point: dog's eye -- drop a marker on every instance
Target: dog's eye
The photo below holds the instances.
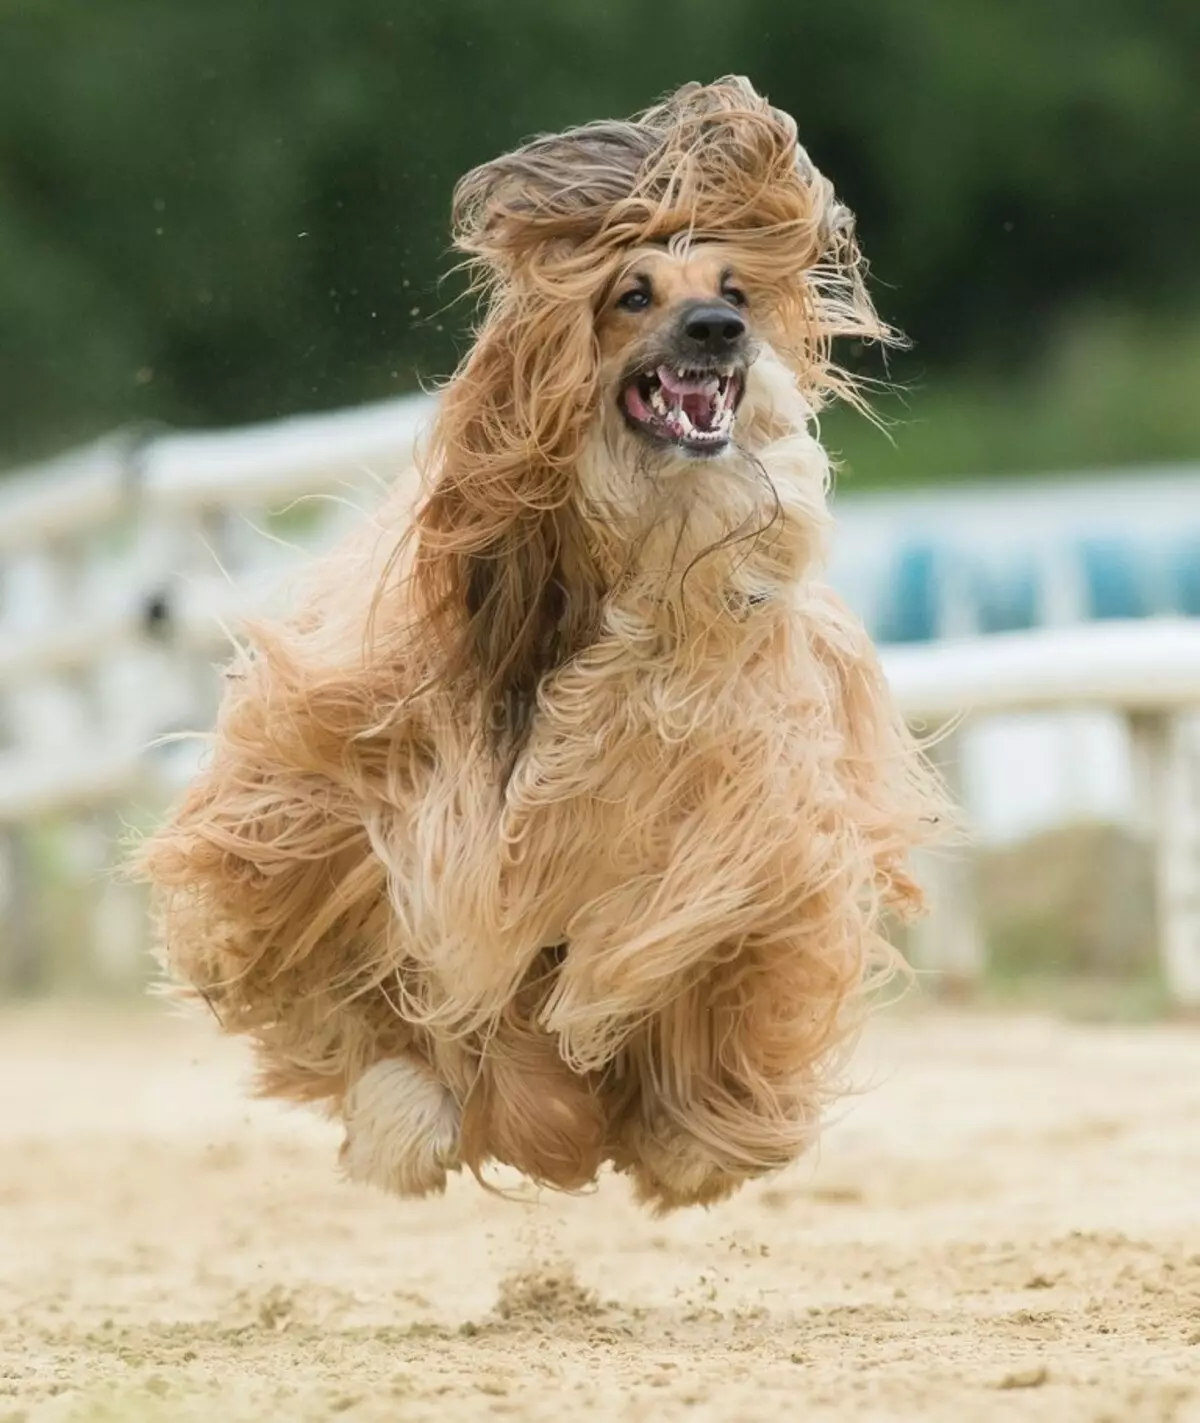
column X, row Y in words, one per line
column 635, row 299
column 735, row 296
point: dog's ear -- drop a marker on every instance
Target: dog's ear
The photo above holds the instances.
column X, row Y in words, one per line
column 531, row 599
column 836, row 238
column 504, row 569
column 558, row 186
column 836, row 304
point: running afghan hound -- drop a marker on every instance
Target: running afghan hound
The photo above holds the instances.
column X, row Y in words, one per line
column 559, row 822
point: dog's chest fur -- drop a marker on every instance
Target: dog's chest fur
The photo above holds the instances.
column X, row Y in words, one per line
column 634, row 768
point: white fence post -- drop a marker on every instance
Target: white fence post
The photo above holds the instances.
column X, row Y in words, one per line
column 949, row 942
column 21, row 962
column 20, row 959
column 1166, row 761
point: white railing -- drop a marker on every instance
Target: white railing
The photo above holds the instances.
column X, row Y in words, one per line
column 121, row 566
column 1147, row 671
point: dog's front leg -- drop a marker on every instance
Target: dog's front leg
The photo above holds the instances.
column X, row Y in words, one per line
column 402, row 1128
column 730, row 1082
column 693, row 1153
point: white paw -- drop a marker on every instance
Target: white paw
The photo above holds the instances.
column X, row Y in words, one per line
column 401, row 1129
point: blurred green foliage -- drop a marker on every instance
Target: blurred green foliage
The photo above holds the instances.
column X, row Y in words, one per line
column 223, row 211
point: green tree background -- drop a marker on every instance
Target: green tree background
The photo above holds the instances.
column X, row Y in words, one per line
column 216, row 211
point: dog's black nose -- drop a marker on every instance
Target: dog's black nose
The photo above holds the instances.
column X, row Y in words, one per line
column 713, row 330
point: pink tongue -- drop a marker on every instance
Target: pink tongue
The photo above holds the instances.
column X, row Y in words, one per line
column 673, row 382
column 699, row 410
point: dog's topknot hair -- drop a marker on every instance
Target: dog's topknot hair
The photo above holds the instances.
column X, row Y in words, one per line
column 714, row 159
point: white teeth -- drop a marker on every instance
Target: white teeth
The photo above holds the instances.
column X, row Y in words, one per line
column 709, row 382
column 721, row 388
column 718, row 432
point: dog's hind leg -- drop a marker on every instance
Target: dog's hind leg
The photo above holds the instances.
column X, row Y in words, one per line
column 530, row 1111
column 525, row 1106
column 402, row 1128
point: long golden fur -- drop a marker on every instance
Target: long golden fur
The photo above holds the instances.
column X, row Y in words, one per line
column 558, row 823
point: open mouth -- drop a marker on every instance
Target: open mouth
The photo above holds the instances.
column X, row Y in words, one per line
column 692, row 408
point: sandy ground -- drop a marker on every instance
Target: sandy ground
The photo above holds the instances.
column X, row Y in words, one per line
column 1006, row 1225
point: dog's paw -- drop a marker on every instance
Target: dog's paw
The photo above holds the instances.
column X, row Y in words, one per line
column 402, row 1129
column 683, row 1180
column 671, row 1170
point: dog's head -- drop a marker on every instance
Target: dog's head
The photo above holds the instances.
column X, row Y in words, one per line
column 676, row 341
column 662, row 296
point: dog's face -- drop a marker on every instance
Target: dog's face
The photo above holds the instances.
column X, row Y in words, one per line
column 677, row 339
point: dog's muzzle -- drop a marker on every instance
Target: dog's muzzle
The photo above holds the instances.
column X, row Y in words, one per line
column 689, row 395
